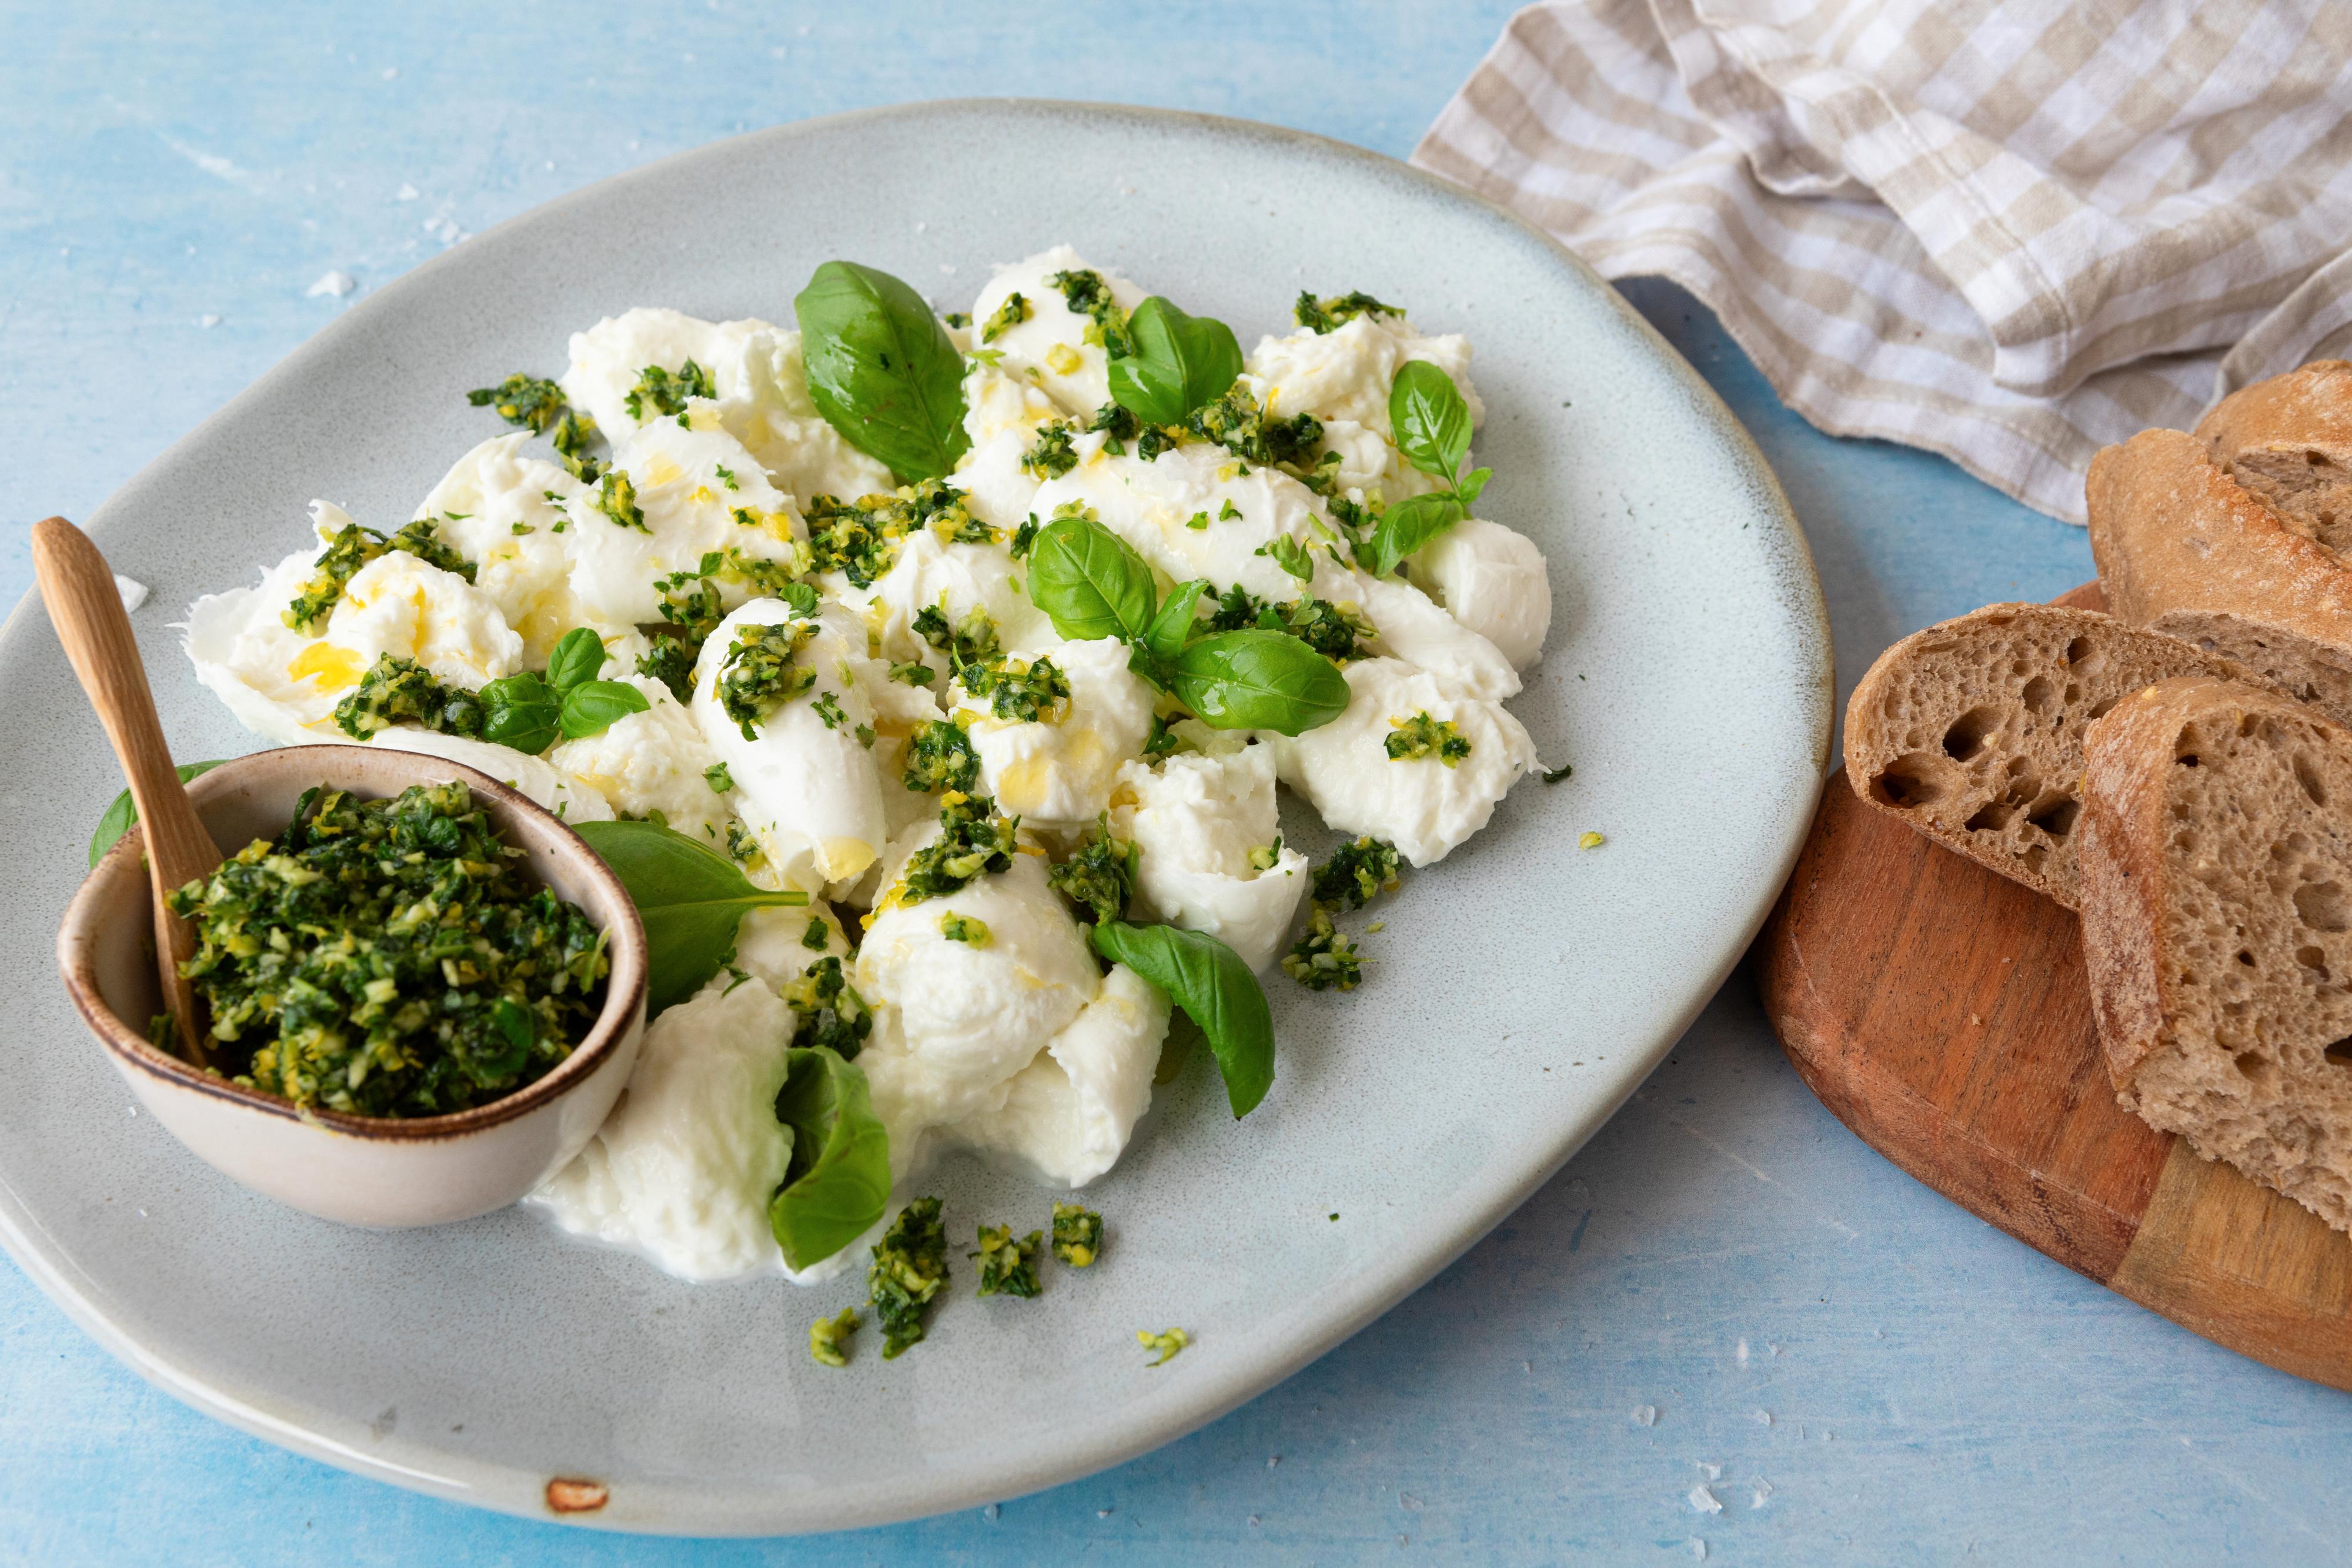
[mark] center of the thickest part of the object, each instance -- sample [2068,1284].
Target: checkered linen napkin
[2009,231]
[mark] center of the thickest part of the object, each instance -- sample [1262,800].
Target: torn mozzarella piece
[810,790]
[1055,346]
[1346,373]
[1410,625]
[608,359]
[764,401]
[1059,769]
[247,655]
[955,1020]
[401,605]
[651,761]
[689,510]
[526,775]
[771,944]
[1422,806]
[1492,580]
[683,1167]
[1368,465]
[1002,416]
[955,580]
[1066,1116]
[512,517]
[1195,513]
[1197,819]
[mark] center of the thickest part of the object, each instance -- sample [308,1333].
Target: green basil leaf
[1466,490]
[1429,418]
[1405,527]
[1168,631]
[1216,990]
[576,660]
[1258,680]
[124,810]
[690,897]
[596,706]
[1088,582]
[801,598]
[521,711]
[837,1182]
[882,369]
[1181,362]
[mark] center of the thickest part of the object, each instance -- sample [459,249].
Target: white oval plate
[1521,989]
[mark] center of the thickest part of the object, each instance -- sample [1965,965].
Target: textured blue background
[1855,1368]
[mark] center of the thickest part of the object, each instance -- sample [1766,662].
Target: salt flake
[1703,1500]
[334,284]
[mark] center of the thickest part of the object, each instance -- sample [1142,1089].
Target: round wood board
[1942,1013]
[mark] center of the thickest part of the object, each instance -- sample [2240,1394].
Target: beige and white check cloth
[2009,231]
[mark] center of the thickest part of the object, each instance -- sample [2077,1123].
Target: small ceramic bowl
[360,1170]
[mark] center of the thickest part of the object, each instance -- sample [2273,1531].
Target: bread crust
[2307,409]
[2184,549]
[1970,731]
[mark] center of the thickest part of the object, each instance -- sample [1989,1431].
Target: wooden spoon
[79,588]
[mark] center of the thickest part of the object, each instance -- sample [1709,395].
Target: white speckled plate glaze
[1522,989]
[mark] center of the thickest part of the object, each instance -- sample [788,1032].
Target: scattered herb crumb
[1008,1267]
[829,1338]
[1591,841]
[1166,1344]
[717,778]
[908,1271]
[1077,1235]
[1554,775]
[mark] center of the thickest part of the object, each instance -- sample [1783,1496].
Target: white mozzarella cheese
[1197,817]
[1059,769]
[652,761]
[1422,806]
[513,515]
[247,655]
[1055,347]
[1346,373]
[398,604]
[1492,580]
[1410,626]
[1066,1117]
[529,776]
[810,791]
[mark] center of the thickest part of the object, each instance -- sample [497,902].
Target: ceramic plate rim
[1137,1429]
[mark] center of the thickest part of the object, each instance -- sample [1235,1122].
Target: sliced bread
[2230,538]
[2216,855]
[1972,731]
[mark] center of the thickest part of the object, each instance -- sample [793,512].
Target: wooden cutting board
[1942,1013]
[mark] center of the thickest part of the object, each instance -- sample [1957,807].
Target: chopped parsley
[691,602]
[831,1014]
[970,641]
[671,661]
[966,930]
[1023,537]
[1554,775]
[667,390]
[1237,423]
[401,691]
[726,476]
[1100,875]
[1265,857]
[957,319]
[1163,741]
[816,935]
[1329,315]
[758,675]
[527,402]
[741,847]
[1053,455]
[828,708]
[1018,690]
[973,840]
[390,958]
[1335,631]
[1008,1266]
[1165,1343]
[1089,294]
[913,673]
[616,497]
[940,756]
[1228,512]
[1356,873]
[1007,316]
[1198,522]
[860,539]
[1077,1235]
[719,779]
[353,547]
[574,435]
[1324,959]
[908,1271]
[829,1338]
[1286,552]
[1411,740]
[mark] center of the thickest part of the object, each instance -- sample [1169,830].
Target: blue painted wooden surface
[1726,1289]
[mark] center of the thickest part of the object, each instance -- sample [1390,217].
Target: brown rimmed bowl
[380,1171]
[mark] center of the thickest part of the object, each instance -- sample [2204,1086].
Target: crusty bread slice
[2216,853]
[2230,538]
[1972,731]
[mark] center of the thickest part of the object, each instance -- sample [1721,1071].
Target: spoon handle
[79,588]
